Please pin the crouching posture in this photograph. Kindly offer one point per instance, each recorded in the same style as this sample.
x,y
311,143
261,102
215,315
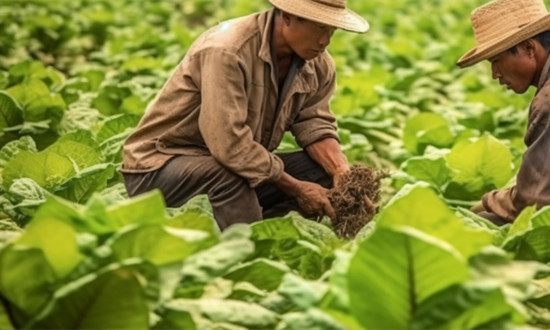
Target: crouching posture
x,y
214,126
514,36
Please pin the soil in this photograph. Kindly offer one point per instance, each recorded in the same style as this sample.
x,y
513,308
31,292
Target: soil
x,y
353,210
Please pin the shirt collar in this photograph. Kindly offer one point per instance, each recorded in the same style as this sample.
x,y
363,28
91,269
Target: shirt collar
x,y
544,73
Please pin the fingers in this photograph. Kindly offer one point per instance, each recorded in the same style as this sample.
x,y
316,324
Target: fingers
x,y
329,211
369,204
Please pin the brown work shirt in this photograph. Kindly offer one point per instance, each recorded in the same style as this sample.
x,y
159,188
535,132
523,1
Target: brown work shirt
x,y
224,100
533,179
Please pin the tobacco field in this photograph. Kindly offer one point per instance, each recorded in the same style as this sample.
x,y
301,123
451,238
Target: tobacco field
x,y
77,253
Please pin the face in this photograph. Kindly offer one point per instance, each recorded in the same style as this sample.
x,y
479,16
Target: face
x,y
515,70
306,38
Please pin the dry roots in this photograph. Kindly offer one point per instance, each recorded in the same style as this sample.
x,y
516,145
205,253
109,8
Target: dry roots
x,y
348,199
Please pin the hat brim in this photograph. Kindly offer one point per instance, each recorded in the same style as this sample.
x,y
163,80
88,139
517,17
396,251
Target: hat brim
x,y
341,18
505,42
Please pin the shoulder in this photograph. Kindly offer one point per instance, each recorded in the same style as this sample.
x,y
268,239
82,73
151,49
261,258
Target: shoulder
x,y
229,36
322,67
540,106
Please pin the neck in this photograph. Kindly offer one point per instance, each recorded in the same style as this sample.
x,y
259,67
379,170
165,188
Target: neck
x,y
541,57
281,48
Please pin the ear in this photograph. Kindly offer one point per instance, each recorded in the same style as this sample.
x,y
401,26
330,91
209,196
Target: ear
x,y
530,46
286,17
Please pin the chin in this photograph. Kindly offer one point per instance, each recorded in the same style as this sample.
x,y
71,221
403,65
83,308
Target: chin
x,y
520,90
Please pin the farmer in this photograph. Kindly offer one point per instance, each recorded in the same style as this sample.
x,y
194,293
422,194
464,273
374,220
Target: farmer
x,y
514,36
214,126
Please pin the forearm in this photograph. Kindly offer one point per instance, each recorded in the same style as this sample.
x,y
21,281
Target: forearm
x,y
287,184
328,154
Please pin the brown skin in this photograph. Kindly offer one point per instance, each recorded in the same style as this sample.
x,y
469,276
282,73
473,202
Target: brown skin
x,y
307,39
518,71
521,69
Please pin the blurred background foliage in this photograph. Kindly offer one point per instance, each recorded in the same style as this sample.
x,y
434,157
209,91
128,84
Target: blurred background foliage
x,y
94,65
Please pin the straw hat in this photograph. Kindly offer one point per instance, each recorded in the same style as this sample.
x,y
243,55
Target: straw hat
x,y
502,24
330,12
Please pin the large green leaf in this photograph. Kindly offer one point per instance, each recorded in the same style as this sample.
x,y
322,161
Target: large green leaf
x,y
304,245
12,148
431,170
108,300
531,245
58,242
48,169
426,129
142,209
22,200
26,279
419,207
488,166
204,266
156,244
304,294
262,273
37,101
11,115
464,306
312,319
399,270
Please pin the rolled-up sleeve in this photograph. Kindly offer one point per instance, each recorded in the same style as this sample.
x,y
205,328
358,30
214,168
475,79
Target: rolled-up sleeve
x,y
315,121
222,119
533,178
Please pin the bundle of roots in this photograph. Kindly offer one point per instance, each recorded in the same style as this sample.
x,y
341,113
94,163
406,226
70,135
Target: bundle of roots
x,y
354,199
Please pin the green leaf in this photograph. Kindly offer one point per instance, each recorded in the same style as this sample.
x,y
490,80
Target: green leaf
x,y
5,322
426,129
156,244
48,169
11,115
409,209
399,270
147,208
117,125
58,242
206,265
433,171
262,273
523,222
12,148
212,313
37,101
28,285
488,166
304,294
530,245
195,219
109,300
463,306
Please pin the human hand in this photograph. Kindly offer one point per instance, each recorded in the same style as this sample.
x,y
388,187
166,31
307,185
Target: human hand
x,y
337,178
313,200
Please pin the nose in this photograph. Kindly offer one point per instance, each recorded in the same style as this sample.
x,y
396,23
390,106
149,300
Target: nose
x,y
324,41
496,73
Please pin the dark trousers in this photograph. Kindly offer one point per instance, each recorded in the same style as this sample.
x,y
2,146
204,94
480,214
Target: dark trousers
x,y
232,199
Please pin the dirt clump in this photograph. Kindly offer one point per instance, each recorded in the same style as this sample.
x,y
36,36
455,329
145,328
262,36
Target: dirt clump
x,y
354,199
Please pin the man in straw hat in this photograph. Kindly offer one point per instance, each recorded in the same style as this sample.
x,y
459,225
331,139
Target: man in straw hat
x,y
513,35
214,126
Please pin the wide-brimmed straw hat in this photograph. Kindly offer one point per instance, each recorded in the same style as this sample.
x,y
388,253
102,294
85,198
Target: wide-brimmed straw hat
x,y
329,12
502,24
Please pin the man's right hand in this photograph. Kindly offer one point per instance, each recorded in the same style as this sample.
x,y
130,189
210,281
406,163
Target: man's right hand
x,y
311,197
